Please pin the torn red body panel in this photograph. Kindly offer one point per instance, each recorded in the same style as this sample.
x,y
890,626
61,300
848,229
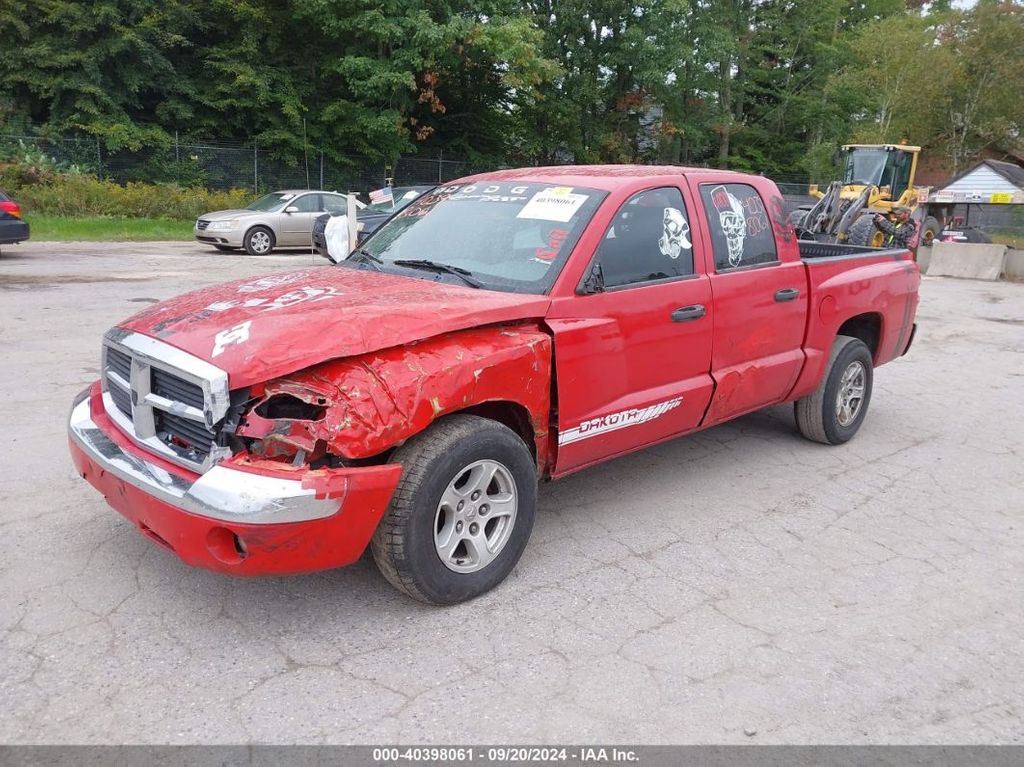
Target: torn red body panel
x,y
374,402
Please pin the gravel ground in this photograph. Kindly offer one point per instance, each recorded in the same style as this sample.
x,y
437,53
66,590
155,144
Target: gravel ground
x,y
738,586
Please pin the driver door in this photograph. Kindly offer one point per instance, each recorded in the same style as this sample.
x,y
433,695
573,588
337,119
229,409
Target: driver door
x,y
297,226
633,360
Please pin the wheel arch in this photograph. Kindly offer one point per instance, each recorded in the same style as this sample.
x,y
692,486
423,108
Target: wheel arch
x,y
508,413
867,327
269,230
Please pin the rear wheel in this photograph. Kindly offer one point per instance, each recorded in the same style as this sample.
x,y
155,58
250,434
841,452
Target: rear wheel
x,y
462,513
834,412
864,232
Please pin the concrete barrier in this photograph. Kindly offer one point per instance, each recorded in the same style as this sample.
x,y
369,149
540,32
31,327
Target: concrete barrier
x,y
924,257
1014,268
969,260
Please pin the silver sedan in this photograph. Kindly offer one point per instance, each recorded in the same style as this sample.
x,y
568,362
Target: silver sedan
x,y
278,220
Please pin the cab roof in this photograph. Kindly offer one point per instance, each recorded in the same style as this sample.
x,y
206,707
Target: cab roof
x,y
904,147
604,177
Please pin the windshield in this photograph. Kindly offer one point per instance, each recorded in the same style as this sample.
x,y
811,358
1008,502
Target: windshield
x,y
270,201
865,166
402,198
512,236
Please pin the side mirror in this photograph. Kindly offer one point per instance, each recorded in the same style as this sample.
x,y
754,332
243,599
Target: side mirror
x,y
292,209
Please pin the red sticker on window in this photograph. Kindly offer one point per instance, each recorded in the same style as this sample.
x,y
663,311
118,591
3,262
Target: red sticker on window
x,y
555,240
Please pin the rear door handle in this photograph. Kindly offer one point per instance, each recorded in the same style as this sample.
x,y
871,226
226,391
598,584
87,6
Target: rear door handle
x,y
687,313
786,294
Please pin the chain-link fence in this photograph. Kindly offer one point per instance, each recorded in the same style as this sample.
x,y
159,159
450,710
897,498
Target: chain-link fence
x,y
229,165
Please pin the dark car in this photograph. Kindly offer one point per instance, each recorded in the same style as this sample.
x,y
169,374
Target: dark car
x,y
12,228
955,233
370,217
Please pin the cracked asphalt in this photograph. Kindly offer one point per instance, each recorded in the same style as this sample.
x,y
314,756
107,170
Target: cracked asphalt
x,y
738,586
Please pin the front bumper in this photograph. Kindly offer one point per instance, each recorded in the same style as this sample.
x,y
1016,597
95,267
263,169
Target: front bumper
x,y
240,517
232,238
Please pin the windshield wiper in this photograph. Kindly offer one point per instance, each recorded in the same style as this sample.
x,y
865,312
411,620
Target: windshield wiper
x,y
367,258
419,263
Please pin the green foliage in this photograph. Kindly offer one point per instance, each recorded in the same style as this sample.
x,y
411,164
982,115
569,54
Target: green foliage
x,y
764,85
949,82
76,194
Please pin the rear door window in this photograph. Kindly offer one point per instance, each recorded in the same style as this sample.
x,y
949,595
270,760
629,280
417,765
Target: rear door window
x,y
741,233
334,203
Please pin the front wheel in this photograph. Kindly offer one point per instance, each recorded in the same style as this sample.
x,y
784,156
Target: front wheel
x,y
462,513
929,231
834,412
259,241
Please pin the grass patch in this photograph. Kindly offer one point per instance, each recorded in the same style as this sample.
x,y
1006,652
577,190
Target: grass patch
x,y
1015,241
107,228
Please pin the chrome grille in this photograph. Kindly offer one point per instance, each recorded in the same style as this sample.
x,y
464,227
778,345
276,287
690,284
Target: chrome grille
x,y
173,388
201,224
164,399
184,433
120,363
122,399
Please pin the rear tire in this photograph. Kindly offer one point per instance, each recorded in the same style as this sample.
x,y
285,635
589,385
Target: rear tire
x,y
864,232
259,241
462,513
834,412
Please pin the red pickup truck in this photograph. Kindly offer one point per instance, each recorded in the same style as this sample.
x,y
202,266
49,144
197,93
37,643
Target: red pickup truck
x,y
503,329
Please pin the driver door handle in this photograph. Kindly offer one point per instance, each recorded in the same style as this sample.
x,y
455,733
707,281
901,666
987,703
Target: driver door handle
x,y
688,313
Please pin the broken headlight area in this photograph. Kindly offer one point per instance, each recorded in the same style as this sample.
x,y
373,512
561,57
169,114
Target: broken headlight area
x,y
282,423
290,422
288,407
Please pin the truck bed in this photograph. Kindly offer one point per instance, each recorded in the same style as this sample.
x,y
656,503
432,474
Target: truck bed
x,y
817,251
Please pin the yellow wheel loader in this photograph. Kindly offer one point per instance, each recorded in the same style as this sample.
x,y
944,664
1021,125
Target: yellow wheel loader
x,y
876,178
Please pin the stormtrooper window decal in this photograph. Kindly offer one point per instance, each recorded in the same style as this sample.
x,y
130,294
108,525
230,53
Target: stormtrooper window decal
x,y
741,234
649,239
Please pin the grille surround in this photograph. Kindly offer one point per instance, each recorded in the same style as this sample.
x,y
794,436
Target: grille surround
x,y
201,224
171,402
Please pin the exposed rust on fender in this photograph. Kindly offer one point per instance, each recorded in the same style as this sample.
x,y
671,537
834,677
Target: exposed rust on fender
x,y
376,401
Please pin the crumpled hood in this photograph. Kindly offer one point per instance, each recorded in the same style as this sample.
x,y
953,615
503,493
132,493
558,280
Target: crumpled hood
x,y
261,328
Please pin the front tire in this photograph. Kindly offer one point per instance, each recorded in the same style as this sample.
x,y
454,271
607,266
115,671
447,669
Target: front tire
x,y
259,241
834,412
929,231
864,232
462,513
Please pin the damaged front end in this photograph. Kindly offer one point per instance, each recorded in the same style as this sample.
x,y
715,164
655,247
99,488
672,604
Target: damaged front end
x,y
292,475
354,412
